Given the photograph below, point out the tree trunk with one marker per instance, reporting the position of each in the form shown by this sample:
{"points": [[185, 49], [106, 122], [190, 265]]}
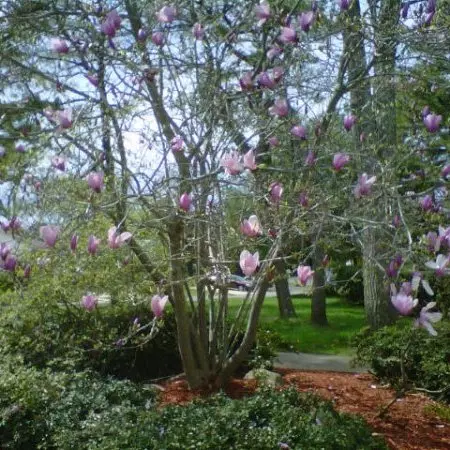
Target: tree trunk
{"points": [[376, 114], [379, 310], [285, 305], [318, 300]]}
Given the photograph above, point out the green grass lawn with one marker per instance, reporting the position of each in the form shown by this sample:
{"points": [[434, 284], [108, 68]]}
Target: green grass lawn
{"points": [[300, 335]]}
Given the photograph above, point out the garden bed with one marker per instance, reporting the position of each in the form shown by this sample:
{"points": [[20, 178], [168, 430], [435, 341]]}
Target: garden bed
{"points": [[408, 424]]}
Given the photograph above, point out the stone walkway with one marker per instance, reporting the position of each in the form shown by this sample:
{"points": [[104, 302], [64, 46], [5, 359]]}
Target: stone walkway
{"points": [[311, 361]]}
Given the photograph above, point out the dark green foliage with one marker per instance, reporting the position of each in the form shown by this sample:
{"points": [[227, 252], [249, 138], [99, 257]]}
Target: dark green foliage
{"points": [[348, 282], [426, 360], [35, 405], [67, 337], [56, 410], [259, 422]]}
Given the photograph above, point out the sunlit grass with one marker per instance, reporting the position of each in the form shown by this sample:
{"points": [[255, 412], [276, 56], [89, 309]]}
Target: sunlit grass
{"points": [[300, 335]]}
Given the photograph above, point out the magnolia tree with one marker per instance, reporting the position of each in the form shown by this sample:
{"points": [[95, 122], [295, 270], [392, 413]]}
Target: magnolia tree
{"points": [[154, 117]]}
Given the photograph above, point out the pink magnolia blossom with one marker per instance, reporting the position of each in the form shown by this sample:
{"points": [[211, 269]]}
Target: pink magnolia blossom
{"points": [[265, 81], [158, 38], [93, 244], [58, 162], [299, 131], [432, 122], [158, 304], [95, 181], [262, 12], [231, 163], [248, 262], [406, 288], [176, 144], [116, 240], [304, 274], [10, 263], [445, 172], [349, 121], [273, 141], [306, 20], [185, 201], [404, 303], [425, 111], [444, 236], [166, 14], [2, 151], [20, 148], [277, 74], [426, 318], [246, 82], [280, 108], [5, 250], [303, 199], [273, 52], [89, 302], [251, 227], [288, 35], [250, 160], [344, 4], [428, 18], [310, 159], [142, 34], [12, 224], [59, 45], [440, 265], [275, 192], [426, 203], [364, 185], [198, 31], [49, 234], [392, 269], [74, 242], [111, 24], [64, 118], [340, 160], [433, 242]]}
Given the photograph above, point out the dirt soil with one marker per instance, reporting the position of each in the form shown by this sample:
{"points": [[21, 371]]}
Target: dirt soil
{"points": [[407, 425]]}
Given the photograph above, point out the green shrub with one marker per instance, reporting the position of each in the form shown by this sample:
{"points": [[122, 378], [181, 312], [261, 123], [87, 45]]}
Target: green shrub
{"points": [[66, 337], [426, 362], [259, 422], [36, 405], [265, 349]]}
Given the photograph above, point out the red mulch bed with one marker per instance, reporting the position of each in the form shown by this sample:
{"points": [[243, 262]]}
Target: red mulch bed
{"points": [[405, 425]]}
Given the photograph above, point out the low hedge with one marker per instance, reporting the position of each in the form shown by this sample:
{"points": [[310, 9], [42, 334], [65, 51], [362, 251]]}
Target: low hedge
{"points": [[426, 361], [41, 409], [37, 405]]}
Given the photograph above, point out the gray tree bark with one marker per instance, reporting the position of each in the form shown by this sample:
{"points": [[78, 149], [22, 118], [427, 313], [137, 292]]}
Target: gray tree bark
{"points": [[285, 305], [376, 114], [318, 300]]}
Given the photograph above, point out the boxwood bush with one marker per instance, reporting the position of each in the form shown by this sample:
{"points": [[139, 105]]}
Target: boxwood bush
{"points": [[427, 358]]}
